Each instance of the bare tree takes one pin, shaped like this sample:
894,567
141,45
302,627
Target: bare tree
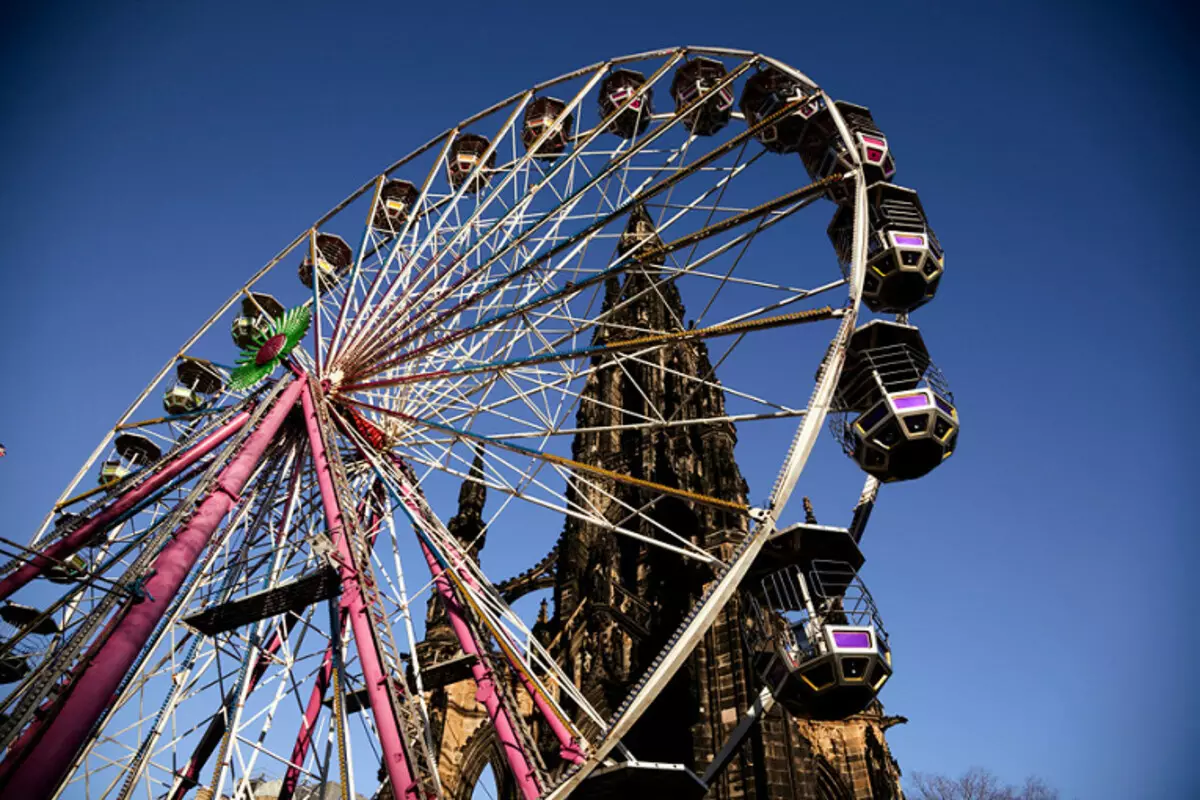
976,784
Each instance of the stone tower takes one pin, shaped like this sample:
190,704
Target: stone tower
617,601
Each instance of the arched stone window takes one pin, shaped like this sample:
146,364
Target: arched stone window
829,784
483,750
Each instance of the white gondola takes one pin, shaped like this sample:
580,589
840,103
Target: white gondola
333,260
196,382
815,634
904,258
255,320
905,423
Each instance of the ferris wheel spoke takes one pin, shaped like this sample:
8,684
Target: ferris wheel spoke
631,299
372,240
571,157
408,228
470,179
467,284
462,387
619,345
560,460
654,522
620,163
471,580
806,193
557,384
550,498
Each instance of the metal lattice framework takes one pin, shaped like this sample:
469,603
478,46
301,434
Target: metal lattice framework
242,606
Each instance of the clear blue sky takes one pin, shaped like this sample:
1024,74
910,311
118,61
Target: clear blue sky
153,153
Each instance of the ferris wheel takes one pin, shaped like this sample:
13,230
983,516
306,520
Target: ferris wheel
620,267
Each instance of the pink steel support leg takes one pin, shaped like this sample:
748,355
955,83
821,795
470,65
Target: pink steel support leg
186,779
404,784
46,712
79,537
92,691
485,683
568,745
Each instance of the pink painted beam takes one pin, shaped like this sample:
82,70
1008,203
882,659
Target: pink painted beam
569,747
92,692
568,744
203,751
486,691
69,544
46,712
395,762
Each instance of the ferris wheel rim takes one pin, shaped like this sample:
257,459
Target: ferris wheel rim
802,442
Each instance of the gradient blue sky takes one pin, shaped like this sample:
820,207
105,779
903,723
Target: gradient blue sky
1034,587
